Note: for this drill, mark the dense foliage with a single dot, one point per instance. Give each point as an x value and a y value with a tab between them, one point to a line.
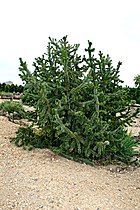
11	88
137	81
133	94
137	85
77	100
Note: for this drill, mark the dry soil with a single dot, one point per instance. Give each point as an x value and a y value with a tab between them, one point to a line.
38	179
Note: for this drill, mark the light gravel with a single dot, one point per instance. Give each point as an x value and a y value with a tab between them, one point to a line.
38	179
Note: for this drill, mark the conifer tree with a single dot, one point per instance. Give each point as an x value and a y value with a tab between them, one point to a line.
137	88
76	103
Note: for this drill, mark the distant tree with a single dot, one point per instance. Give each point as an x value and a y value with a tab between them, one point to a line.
137	84
137	81
3	86
12	88
20	89
7	88
16	88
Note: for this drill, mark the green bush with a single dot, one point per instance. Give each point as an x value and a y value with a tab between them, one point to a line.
133	94
137	85
77	101
13	110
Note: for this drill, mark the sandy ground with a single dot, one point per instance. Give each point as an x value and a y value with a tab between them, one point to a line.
40	180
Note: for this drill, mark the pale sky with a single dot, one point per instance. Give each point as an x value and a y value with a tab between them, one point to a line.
113	26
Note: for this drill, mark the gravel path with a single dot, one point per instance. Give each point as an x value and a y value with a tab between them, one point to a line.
40	180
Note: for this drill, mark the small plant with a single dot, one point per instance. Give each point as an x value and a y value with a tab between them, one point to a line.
12	110
122	145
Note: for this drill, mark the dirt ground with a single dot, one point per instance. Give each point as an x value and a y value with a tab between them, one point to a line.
40	180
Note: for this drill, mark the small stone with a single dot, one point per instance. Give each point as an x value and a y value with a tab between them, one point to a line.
41	206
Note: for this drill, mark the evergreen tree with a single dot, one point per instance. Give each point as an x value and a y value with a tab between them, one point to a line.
7	88
77	101
137	81
3	86
137	85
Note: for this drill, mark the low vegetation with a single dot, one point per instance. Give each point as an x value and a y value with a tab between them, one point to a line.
12	110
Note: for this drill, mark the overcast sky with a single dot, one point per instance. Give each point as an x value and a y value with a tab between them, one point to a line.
112	25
